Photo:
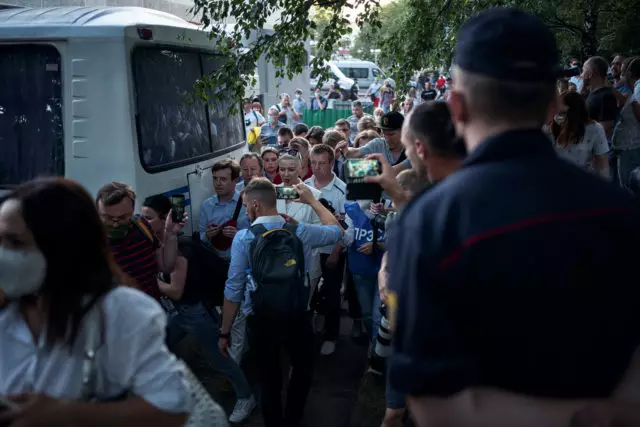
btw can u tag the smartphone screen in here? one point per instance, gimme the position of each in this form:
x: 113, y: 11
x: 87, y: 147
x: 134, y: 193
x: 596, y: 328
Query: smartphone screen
x: 286, y: 193
x: 177, y: 207
x: 358, y: 169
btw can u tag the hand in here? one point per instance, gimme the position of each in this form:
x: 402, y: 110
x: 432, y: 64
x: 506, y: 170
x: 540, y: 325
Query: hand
x: 366, y: 249
x: 34, y: 410
x: 376, y: 208
x: 304, y: 194
x: 288, y: 219
x: 223, y: 345
x: 341, y: 148
x: 213, y: 231
x: 172, y: 228
x: 387, y: 179
x: 332, y: 261
x: 229, y: 231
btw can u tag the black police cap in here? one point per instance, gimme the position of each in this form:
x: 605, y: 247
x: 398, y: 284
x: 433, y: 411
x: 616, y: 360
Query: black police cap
x: 508, y: 44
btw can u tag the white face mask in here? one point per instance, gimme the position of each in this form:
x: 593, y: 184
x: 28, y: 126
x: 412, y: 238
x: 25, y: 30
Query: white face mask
x: 559, y: 119
x: 298, y: 95
x: 21, y: 272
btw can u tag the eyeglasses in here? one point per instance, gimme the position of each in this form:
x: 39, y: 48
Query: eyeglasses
x: 290, y: 151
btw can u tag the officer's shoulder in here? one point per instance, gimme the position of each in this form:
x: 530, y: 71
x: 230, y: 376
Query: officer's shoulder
x: 340, y: 184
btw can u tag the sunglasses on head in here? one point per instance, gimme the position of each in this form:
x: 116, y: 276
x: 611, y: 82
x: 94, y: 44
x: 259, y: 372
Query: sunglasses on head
x: 289, y: 151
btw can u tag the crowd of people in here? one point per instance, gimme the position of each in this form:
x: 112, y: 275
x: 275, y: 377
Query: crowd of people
x: 490, y: 273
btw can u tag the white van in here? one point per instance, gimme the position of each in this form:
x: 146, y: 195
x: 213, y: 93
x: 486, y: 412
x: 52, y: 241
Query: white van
x: 334, y: 74
x: 98, y: 94
x: 365, y: 72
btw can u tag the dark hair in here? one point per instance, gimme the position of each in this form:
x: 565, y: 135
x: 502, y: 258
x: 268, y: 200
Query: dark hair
x: 252, y: 156
x: 572, y: 130
x: 632, y: 66
x: 356, y: 104
x: 342, y: 122
x: 323, y: 148
x: 227, y: 164
x: 500, y: 101
x: 316, y: 132
x: 114, y: 193
x: 159, y: 203
x: 79, y: 261
x: 300, y: 129
x: 285, y: 131
x: 431, y: 123
x: 600, y: 65
x: 269, y: 149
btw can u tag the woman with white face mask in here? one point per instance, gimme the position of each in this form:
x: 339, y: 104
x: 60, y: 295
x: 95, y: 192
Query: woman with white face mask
x: 577, y: 138
x: 57, y: 275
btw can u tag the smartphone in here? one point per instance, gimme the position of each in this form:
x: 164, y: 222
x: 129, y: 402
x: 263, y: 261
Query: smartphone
x: 358, y: 169
x: 355, y: 171
x: 177, y: 208
x: 286, y: 193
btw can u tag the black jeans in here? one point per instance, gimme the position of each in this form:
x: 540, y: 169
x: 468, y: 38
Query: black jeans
x: 269, y: 337
x: 355, y: 312
x: 332, y: 282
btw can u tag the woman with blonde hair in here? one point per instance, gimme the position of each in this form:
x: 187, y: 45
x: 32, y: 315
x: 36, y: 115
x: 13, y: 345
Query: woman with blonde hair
x: 365, y: 137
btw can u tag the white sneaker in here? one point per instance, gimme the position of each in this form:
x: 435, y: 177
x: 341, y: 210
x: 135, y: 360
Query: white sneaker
x: 328, y: 347
x: 242, y: 410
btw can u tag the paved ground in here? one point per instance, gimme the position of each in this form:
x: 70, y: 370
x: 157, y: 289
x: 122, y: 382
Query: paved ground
x: 334, y: 400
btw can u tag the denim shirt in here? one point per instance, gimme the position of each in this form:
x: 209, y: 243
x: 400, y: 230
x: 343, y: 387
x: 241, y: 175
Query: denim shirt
x: 271, y: 133
x: 312, y: 236
x: 214, y: 212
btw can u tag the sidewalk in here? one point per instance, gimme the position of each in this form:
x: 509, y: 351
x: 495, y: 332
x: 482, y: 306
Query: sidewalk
x: 334, y: 391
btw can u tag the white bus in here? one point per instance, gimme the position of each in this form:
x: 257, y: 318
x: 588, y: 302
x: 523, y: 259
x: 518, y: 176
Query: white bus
x: 100, y: 94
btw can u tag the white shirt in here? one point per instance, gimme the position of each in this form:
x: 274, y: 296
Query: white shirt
x: 593, y: 143
x: 336, y: 194
x: 133, y: 356
x: 304, y: 213
x: 253, y: 119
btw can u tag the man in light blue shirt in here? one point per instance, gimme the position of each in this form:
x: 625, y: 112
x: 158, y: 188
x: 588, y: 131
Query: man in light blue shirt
x: 269, y: 130
x: 273, y: 334
x: 299, y: 105
x: 217, y: 211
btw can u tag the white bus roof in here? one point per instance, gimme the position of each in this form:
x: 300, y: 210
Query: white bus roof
x: 353, y: 62
x: 82, y: 21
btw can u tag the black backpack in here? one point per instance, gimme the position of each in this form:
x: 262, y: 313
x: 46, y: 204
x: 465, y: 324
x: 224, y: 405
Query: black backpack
x: 277, y: 266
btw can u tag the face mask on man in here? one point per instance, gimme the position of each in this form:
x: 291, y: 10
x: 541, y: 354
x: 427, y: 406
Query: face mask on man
x: 21, y: 272
x: 559, y: 119
x: 298, y: 95
x: 119, y: 231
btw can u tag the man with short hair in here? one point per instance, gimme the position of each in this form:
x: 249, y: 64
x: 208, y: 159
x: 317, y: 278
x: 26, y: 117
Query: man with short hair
x: 390, y: 146
x: 269, y: 130
x: 407, y: 106
x: 601, y: 102
x: 428, y: 94
x: 332, y: 257
x: 300, y: 130
x: 251, y: 166
x: 299, y: 105
x: 357, y: 112
x: 516, y: 253
x: 218, y: 210
x: 271, y: 332
x: 134, y: 246
x: 284, y: 137
x: 342, y: 125
x: 616, y: 74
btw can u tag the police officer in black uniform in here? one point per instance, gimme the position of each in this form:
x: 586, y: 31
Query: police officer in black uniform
x: 515, y: 278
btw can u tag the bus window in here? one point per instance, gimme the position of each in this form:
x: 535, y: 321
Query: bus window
x: 171, y: 129
x: 31, y: 134
x: 355, y: 73
x: 226, y: 130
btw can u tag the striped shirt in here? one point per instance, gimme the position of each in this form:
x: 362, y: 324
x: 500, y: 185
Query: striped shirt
x: 136, y: 256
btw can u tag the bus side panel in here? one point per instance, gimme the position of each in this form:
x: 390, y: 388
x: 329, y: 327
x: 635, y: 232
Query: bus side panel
x: 99, y: 143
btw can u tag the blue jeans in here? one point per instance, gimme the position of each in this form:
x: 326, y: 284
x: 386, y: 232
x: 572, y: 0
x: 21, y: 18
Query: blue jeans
x: 369, y: 299
x: 205, y: 326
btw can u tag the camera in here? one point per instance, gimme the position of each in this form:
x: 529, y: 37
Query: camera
x: 379, y: 221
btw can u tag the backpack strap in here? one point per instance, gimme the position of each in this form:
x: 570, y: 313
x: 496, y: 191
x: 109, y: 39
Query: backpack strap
x: 236, y: 213
x: 144, y: 228
x: 258, y: 230
x: 291, y: 228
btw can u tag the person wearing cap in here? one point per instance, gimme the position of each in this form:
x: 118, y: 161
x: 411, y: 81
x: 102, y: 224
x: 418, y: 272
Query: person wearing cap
x: 299, y: 105
x: 390, y: 146
x: 510, y: 278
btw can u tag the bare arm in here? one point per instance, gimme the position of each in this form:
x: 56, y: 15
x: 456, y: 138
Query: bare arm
x: 229, y: 311
x: 601, y: 165
x: 175, y: 289
x: 168, y: 253
x: 608, y: 127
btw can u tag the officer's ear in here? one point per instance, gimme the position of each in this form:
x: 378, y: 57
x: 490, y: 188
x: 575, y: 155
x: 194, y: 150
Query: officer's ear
x: 422, y: 149
x: 458, y: 108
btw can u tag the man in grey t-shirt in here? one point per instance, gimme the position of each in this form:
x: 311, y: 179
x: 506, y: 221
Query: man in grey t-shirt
x: 390, y: 146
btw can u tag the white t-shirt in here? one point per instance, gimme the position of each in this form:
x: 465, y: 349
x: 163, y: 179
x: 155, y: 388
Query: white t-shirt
x: 593, y: 143
x: 253, y: 119
x: 133, y: 357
